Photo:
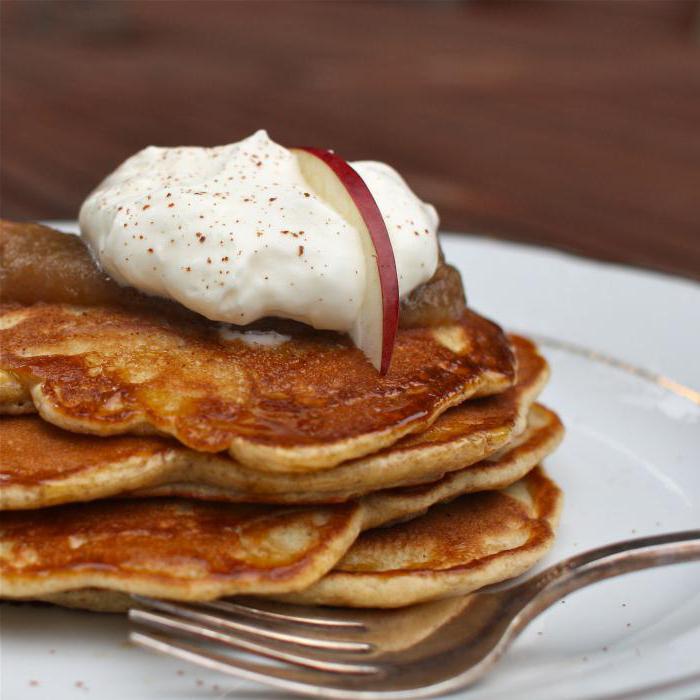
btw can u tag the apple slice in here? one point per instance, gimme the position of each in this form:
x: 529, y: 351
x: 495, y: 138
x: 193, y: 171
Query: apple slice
x: 341, y: 187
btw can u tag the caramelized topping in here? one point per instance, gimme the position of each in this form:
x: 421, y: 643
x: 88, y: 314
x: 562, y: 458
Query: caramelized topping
x: 38, y: 263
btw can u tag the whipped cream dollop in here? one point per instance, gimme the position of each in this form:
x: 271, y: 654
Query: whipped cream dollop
x: 236, y: 233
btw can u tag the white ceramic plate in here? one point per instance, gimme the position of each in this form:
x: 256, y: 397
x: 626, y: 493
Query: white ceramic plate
x: 629, y: 466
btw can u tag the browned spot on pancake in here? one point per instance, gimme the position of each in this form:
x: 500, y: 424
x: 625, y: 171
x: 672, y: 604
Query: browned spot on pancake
x: 545, y: 496
x: 108, y: 371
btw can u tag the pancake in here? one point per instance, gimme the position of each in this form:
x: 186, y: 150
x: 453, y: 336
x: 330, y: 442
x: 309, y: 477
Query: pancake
x: 511, y: 464
x: 172, y: 548
x: 541, y: 437
x: 41, y: 465
x: 453, y: 549
x: 309, y: 403
x: 196, y: 550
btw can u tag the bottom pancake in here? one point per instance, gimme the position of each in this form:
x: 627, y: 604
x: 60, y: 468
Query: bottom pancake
x: 453, y: 549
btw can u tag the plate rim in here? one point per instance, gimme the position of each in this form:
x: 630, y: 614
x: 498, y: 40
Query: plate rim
x: 661, y: 380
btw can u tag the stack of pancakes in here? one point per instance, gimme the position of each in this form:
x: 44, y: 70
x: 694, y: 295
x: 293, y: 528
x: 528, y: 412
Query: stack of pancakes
x: 144, y: 449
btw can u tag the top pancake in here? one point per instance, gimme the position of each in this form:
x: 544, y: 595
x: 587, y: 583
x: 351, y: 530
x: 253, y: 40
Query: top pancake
x: 307, y: 404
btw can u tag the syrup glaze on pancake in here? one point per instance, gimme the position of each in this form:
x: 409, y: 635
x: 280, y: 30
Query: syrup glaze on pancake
x: 451, y: 550
x: 307, y: 404
x: 41, y: 465
x: 454, y: 549
x: 172, y: 548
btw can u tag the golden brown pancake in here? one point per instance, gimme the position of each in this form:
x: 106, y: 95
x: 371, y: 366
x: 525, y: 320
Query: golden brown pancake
x: 509, y: 465
x: 542, y: 435
x: 171, y: 548
x: 165, y: 406
x: 453, y: 549
x: 41, y: 465
x: 307, y: 404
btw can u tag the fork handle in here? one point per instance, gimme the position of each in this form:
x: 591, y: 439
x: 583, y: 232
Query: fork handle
x: 607, y: 562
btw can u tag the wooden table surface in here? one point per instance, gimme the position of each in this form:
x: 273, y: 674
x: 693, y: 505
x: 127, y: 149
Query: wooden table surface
x: 569, y: 124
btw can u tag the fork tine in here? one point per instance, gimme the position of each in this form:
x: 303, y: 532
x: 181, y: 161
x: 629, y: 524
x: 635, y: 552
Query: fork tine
x: 316, y: 640
x: 296, y: 680
x: 172, y: 624
x: 320, y: 618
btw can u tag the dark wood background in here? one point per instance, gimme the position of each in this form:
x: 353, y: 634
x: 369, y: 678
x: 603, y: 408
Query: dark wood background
x: 569, y: 124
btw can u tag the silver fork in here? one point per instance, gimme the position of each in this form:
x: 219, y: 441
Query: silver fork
x: 416, y: 652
